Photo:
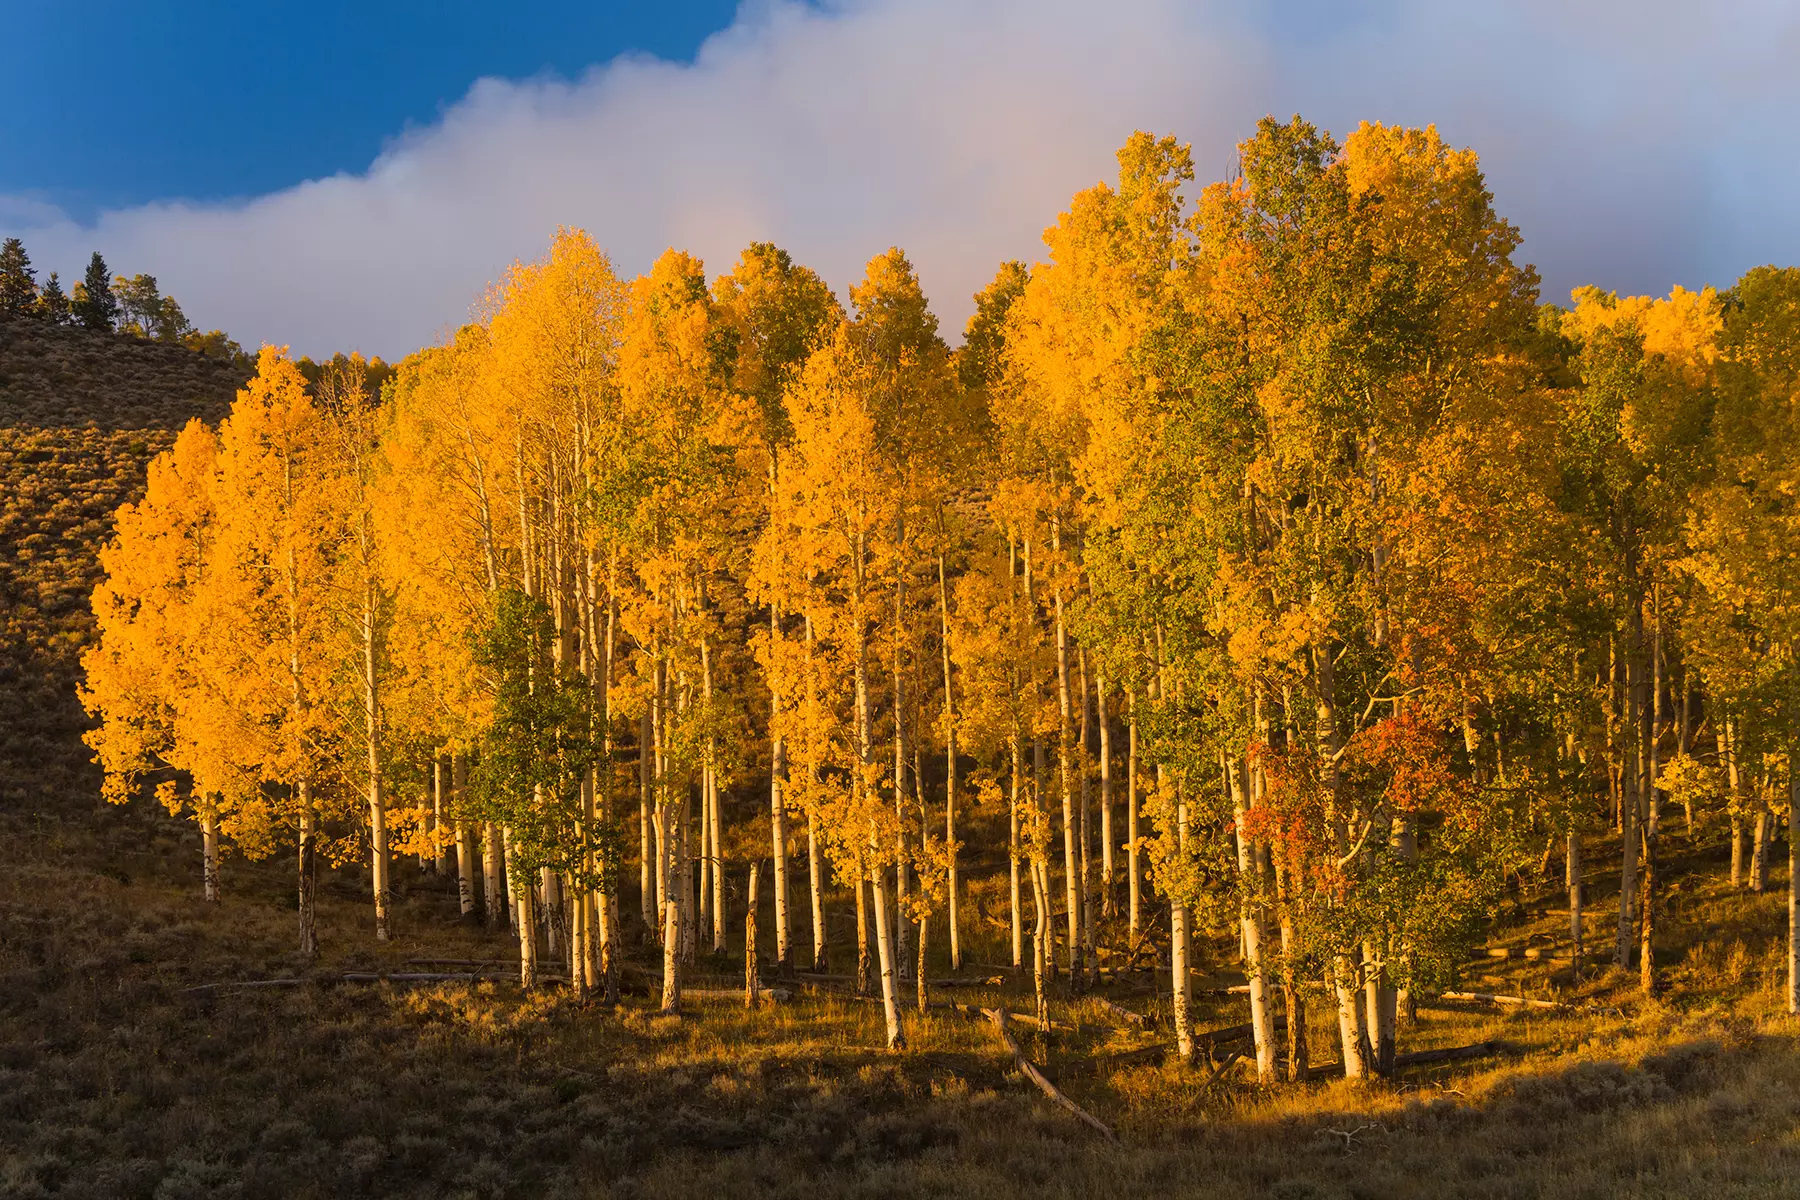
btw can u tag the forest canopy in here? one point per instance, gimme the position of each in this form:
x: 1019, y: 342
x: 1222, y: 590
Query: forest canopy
x: 1267, y: 558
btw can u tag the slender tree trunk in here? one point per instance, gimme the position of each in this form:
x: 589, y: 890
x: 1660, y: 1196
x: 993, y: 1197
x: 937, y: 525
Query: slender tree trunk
x: 1631, y: 748
x: 209, y: 857
x: 1793, y: 956
x: 1572, y: 880
x: 890, y: 993
x: 1106, y: 796
x: 380, y: 861
x: 1013, y: 850
x: 468, y: 853
x: 865, y: 967
x: 309, y: 833
x: 713, y: 835
x: 647, y: 884
x: 901, y: 927
x: 953, y: 888
x: 1133, y: 876
x: 1065, y: 778
x: 814, y: 864
x: 1734, y: 785
x: 919, y: 975
x: 815, y: 868
x: 1040, y: 936
x: 1650, y: 710
x: 1089, y: 959
x: 439, y: 818
x: 525, y: 900
x: 495, y: 903
x: 784, y: 962
x: 750, y: 980
x: 1762, y: 839
x: 1293, y: 1001
x: 1250, y: 924
x: 703, y: 898
x: 1181, y: 997
x: 671, y: 911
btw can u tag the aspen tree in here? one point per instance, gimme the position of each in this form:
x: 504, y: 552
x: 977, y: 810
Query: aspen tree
x: 780, y: 314
x: 270, y: 656
x: 140, y: 677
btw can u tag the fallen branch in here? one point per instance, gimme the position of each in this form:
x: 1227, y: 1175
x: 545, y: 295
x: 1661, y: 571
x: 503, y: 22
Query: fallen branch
x: 374, y: 977
x: 1533, y: 953
x: 1219, y: 1071
x: 1124, y: 1058
x: 248, y: 983
x: 999, y: 1018
x: 778, y: 995
x: 1492, y: 998
x: 1117, y: 1010
x: 990, y: 981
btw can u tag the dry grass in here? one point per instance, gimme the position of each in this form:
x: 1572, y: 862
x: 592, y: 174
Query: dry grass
x: 115, y: 1082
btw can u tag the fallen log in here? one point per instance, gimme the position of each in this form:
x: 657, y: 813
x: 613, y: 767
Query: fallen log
x: 990, y: 981
x: 1101, y: 1063
x: 1119, y: 1010
x: 1495, y: 998
x: 999, y: 1018
x: 776, y: 995
x: 374, y: 977
x: 247, y: 983
x: 1531, y: 953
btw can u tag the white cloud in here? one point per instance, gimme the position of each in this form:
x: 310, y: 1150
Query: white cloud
x: 1636, y: 144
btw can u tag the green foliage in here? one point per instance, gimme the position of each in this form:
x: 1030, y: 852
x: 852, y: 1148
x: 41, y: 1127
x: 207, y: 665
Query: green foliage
x: 95, y: 307
x: 535, y: 758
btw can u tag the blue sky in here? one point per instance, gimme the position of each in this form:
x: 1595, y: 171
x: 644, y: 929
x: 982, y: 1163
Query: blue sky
x: 209, y: 100
x: 333, y: 178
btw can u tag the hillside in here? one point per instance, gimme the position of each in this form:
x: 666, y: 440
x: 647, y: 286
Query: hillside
x: 126, y: 1071
x: 81, y: 415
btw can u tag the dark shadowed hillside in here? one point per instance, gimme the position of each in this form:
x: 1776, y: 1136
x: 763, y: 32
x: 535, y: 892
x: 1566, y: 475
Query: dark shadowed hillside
x: 81, y: 415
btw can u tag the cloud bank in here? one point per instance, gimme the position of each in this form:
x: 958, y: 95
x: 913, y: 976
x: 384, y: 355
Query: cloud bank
x: 1636, y: 144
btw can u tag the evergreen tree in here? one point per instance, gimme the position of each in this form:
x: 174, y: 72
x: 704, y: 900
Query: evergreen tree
x: 18, y: 286
x: 95, y: 305
x: 53, y: 302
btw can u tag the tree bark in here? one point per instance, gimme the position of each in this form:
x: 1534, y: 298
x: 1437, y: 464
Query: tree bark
x: 750, y: 980
x: 815, y: 867
x: 952, y: 886
x: 647, y: 884
x: 468, y: 854
x: 1064, y: 751
x: 209, y: 857
x: 1133, y: 876
x: 1572, y: 881
x: 1181, y: 996
x: 778, y: 767
x: 496, y: 906
x: 308, y: 870
x: 1250, y: 923
x: 1107, y: 877
x: 890, y: 995
x: 379, y: 859
x: 1793, y: 956
x: 1013, y: 850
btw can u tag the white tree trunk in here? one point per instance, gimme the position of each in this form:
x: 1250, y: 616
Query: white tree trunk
x: 209, y: 857
x: 1133, y: 877
x: 890, y: 995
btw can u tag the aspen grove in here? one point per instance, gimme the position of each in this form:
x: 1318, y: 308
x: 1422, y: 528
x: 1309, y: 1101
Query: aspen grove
x: 1267, y: 559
